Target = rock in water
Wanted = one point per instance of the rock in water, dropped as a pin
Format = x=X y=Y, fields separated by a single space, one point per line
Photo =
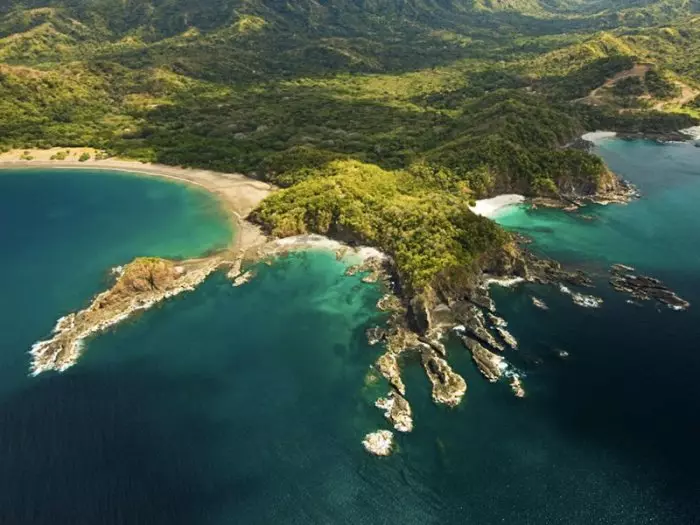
x=516 y=386
x=507 y=337
x=379 y=443
x=474 y=324
x=539 y=303
x=644 y=288
x=434 y=344
x=397 y=410
x=243 y=278
x=496 y=321
x=586 y=301
x=388 y=365
x=448 y=386
x=489 y=364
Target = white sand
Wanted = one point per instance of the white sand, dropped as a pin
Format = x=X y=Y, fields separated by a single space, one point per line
x=319 y=242
x=495 y=205
x=597 y=136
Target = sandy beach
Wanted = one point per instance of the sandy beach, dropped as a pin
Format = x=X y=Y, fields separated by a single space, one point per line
x=493 y=206
x=238 y=193
x=597 y=136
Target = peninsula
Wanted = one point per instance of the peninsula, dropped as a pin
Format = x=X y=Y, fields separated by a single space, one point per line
x=399 y=125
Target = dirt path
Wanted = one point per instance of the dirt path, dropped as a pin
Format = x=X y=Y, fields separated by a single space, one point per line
x=593 y=98
x=687 y=94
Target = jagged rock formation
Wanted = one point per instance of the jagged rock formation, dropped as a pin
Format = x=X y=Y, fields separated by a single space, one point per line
x=489 y=364
x=539 y=303
x=474 y=324
x=644 y=288
x=379 y=443
x=516 y=386
x=388 y=366
x=140 y=285
x=397 y=410
x=375 y=335
x=511 y=341
x=448 y=386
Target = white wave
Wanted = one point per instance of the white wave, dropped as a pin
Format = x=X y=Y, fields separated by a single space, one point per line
x=503 y=281
x=586 y=301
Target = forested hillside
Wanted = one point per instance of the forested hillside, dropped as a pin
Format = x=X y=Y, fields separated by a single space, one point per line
x=430 y=103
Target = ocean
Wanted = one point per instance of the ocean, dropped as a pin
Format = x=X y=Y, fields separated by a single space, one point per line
x=249 y=404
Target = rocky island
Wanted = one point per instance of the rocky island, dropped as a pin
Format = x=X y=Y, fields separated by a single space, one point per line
x=379 y=443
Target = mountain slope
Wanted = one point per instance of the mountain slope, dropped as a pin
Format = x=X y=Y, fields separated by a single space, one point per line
x=434 y=98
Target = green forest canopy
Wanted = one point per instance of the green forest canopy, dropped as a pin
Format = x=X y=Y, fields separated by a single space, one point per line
x=385 y=118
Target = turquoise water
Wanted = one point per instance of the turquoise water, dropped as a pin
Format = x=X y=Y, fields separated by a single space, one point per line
x=248 y=404
x=61 y=231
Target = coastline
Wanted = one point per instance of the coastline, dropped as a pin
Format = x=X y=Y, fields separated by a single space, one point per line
x=494 y=206
x=238 y=194
x=682 y=135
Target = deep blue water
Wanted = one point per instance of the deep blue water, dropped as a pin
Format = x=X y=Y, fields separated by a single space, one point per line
x=248 y=405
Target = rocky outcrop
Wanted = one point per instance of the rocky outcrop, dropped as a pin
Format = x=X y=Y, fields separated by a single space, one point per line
x=141 y=284
x=474 y=324
x=575 y=192
x=548 y=271
x=539 y=303
x=586 y=301
x=243 y=278
x=495 y=320
x=489 y=364
x=434 y=344
x=388 y=366
x=374 y=267
x=448 y=386
x=389 y=303
x=397 y=410
x=379 y=443
x=516 y=385
x=499 y=324
x=644 y=288
x=375 y=335
x=511 y=341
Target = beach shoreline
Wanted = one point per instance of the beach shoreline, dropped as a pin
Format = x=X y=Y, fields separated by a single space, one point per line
x=237 y=194
x=494 y=206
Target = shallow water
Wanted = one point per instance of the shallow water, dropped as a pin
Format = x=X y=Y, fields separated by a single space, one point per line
x=248 y=405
